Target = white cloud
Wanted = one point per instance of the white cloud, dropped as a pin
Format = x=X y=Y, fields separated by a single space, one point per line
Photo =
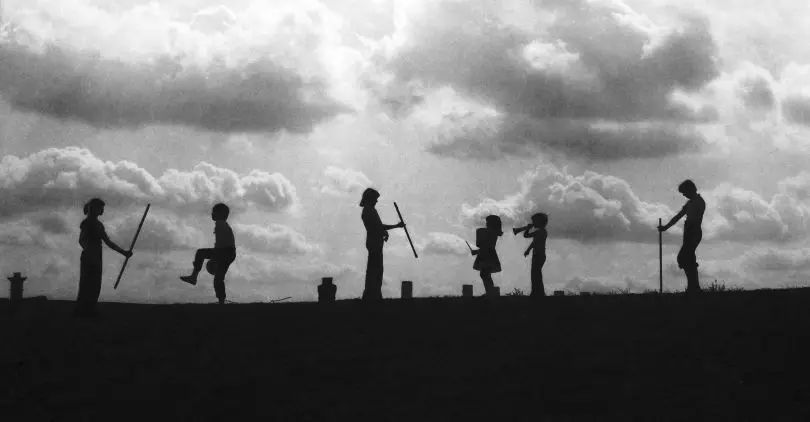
x=589 y=208
x=339 y=181
x=444 y=244
x=70 y=176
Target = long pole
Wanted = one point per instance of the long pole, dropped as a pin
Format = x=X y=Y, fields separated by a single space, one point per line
x=660 y=260
x=406 y=231
x=132 y=245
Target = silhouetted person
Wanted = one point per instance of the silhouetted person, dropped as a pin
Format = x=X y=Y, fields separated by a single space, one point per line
x=538 y=249
x=222 y=254
x=692 y=233
x=376 y=236
x=486 y=260
x=90 y=238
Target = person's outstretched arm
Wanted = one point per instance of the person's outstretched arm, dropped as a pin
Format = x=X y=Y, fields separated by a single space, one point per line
x=393 y=226
x=674 y=220
x=113 y=246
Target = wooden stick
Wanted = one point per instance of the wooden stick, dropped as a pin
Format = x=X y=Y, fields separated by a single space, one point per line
x=132 y=245
x=660 y=260
x=406 y=231
x=472 y=252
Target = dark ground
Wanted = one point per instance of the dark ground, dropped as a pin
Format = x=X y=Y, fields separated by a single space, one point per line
x=725 y=356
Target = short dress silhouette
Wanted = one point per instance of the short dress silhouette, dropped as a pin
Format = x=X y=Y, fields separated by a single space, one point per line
x=487 y=258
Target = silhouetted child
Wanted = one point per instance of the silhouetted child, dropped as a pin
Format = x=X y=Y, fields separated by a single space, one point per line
x=486 y=260
x=692 y=233
x=90 y=238
x=222 y=254
x=538 y=246
x=376 y=236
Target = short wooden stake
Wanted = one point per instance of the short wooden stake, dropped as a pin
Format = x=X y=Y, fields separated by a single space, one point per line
x=16 y=290
x=327 y=290
x=407 y=289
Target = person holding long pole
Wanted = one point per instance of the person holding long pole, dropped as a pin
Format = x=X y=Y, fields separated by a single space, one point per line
x=692 y=233
x=90 y=238
x=376 y=236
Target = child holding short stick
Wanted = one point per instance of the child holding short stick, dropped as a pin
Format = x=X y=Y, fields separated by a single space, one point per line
x=221 y=256
x=90 y=238
x=538 y=248
x=486 y=260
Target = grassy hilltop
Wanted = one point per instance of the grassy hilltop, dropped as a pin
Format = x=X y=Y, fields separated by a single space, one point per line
x=725 y=356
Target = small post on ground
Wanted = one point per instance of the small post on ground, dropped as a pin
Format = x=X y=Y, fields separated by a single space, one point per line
x=16 y=290
x=467 y=290
x=496 y=290
x=407 y=289
x=327 y=290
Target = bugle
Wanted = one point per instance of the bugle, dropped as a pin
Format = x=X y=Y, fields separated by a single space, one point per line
x=517 y=230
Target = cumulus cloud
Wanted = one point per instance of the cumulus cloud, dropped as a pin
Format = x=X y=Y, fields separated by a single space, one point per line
x=600 y=208
x=25 y=232
x=582 y=64
x=211 y=73
x=273 y=239
x=745 y=216
x=589 y=208
x=67 y=177
x=443 y=244
x=338 y=181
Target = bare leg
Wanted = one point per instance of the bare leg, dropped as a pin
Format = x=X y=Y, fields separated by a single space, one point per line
x=489 y=285
x=199 y=259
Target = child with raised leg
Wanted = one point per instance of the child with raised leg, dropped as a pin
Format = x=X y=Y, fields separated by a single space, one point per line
x=220 y=257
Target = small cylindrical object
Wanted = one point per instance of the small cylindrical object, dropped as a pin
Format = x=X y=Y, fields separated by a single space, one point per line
x=497 y=291
x=16 y=290
x=327 y=290
x=407 y=289
x=467 y=290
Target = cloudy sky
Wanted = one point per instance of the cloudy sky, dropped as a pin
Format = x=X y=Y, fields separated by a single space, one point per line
x=589 y=110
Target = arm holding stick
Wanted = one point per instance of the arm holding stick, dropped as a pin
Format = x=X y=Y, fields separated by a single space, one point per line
x=472 y=252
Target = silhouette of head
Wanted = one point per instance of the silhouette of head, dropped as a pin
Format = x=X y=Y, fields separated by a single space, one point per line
x=369 y=197
x=540 y=219
x=94 y=207
x=220 y=211
x=494 y=223
x=687 y=188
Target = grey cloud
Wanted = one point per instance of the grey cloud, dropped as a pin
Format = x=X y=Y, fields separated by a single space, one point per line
x=493 y=137
x=274 y=238
x=592 y=67
x=756 y=93
x=796 y=109
x=159 y=233
x=258 y=96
